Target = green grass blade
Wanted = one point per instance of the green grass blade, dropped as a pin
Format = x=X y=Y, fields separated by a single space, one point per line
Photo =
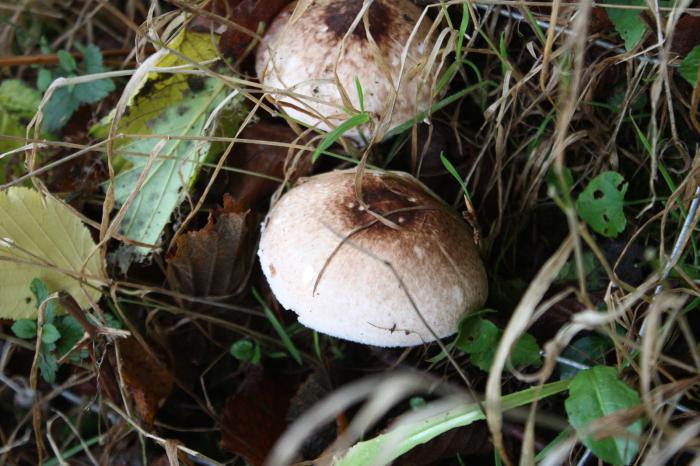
x=352 y=122
x=405 y=438
x=281 y=332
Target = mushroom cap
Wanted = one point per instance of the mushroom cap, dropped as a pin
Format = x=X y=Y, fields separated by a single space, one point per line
x=304 y=57
x=363 y=267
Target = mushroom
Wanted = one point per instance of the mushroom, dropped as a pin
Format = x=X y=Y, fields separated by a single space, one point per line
x=315 y=60
x=390 y=265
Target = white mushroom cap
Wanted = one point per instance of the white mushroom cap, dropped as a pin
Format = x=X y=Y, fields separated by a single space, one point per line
x=304 y=56
x=319 y=235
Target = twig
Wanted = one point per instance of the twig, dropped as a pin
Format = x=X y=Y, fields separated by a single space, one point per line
x=52 y=58
x=74 y=310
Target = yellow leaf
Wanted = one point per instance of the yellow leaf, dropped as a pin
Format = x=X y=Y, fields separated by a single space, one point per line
x=41 y=237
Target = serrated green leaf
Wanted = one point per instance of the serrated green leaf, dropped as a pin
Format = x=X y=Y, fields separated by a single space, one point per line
x=593 y=394
x=92 y=59
x=66 y=61
x=48 y=366
x=171 y=105
x=477 y=335
x=18 y=98
x=44 y=79
x=59 y=109
x=601 y=204
x=24 y=328
x=525 y=352
x=18 y=103
x=71 y=333
x=480 y=337
x=41 y=237
x=628 y=22
x=49 y=333
x=690 y=65
x=10 y=125
x=93 y=91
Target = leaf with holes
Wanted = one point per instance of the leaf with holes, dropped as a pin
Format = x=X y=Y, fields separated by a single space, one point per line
x=601 y=204
x=593 y=394
x=41 y=237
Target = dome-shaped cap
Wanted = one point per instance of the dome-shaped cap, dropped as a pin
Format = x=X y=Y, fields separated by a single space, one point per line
x=304 y=57
x=325 y=257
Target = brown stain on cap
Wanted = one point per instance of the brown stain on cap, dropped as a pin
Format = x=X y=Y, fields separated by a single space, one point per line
x=339 y=15
x=399 y=201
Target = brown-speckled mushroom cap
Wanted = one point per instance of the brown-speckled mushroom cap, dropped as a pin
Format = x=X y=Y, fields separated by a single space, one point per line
x=302 y=57
x=319 y=235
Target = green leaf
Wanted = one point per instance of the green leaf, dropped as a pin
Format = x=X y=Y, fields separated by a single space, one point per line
x=480 y=337
x=92 y=59
x=593 y=394
x=50 y=334
x=600 y=205
x=66 y=61
x=93 y=91
x=18 y=103
x=526 y=352
x=48 y=366
x=59 y=109
x=690 y=65
x=477 y=335
x=246 y=351
x=400 y=440
x=42 y=238
x=44 y=79
x=174 y=106
x=71 y=333
x=628 y=22
x=593 y=271
x=40 y=292
x=18 y=98
x=588 y=351
x=24 y=328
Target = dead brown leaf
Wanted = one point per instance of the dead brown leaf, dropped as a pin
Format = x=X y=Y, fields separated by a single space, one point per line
x=256 y=416
x=267 y=160
x=147 y=382
x=686 y=35
x=215 y=260
x=248 y=14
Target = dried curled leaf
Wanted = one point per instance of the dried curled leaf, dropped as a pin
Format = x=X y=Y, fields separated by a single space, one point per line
x=263 y=160
x=41 y=237
x=255 y=417
x=147 y=381
x=214 y=261
x=248 y=14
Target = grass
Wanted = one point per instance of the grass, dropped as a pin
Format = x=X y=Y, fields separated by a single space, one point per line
x=519 y=105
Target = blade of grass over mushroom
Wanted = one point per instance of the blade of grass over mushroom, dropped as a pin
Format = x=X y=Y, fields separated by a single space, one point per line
x=166 y=105
x=288 y=343
x=387 y=447
x=437 y=106
x=352 y=122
